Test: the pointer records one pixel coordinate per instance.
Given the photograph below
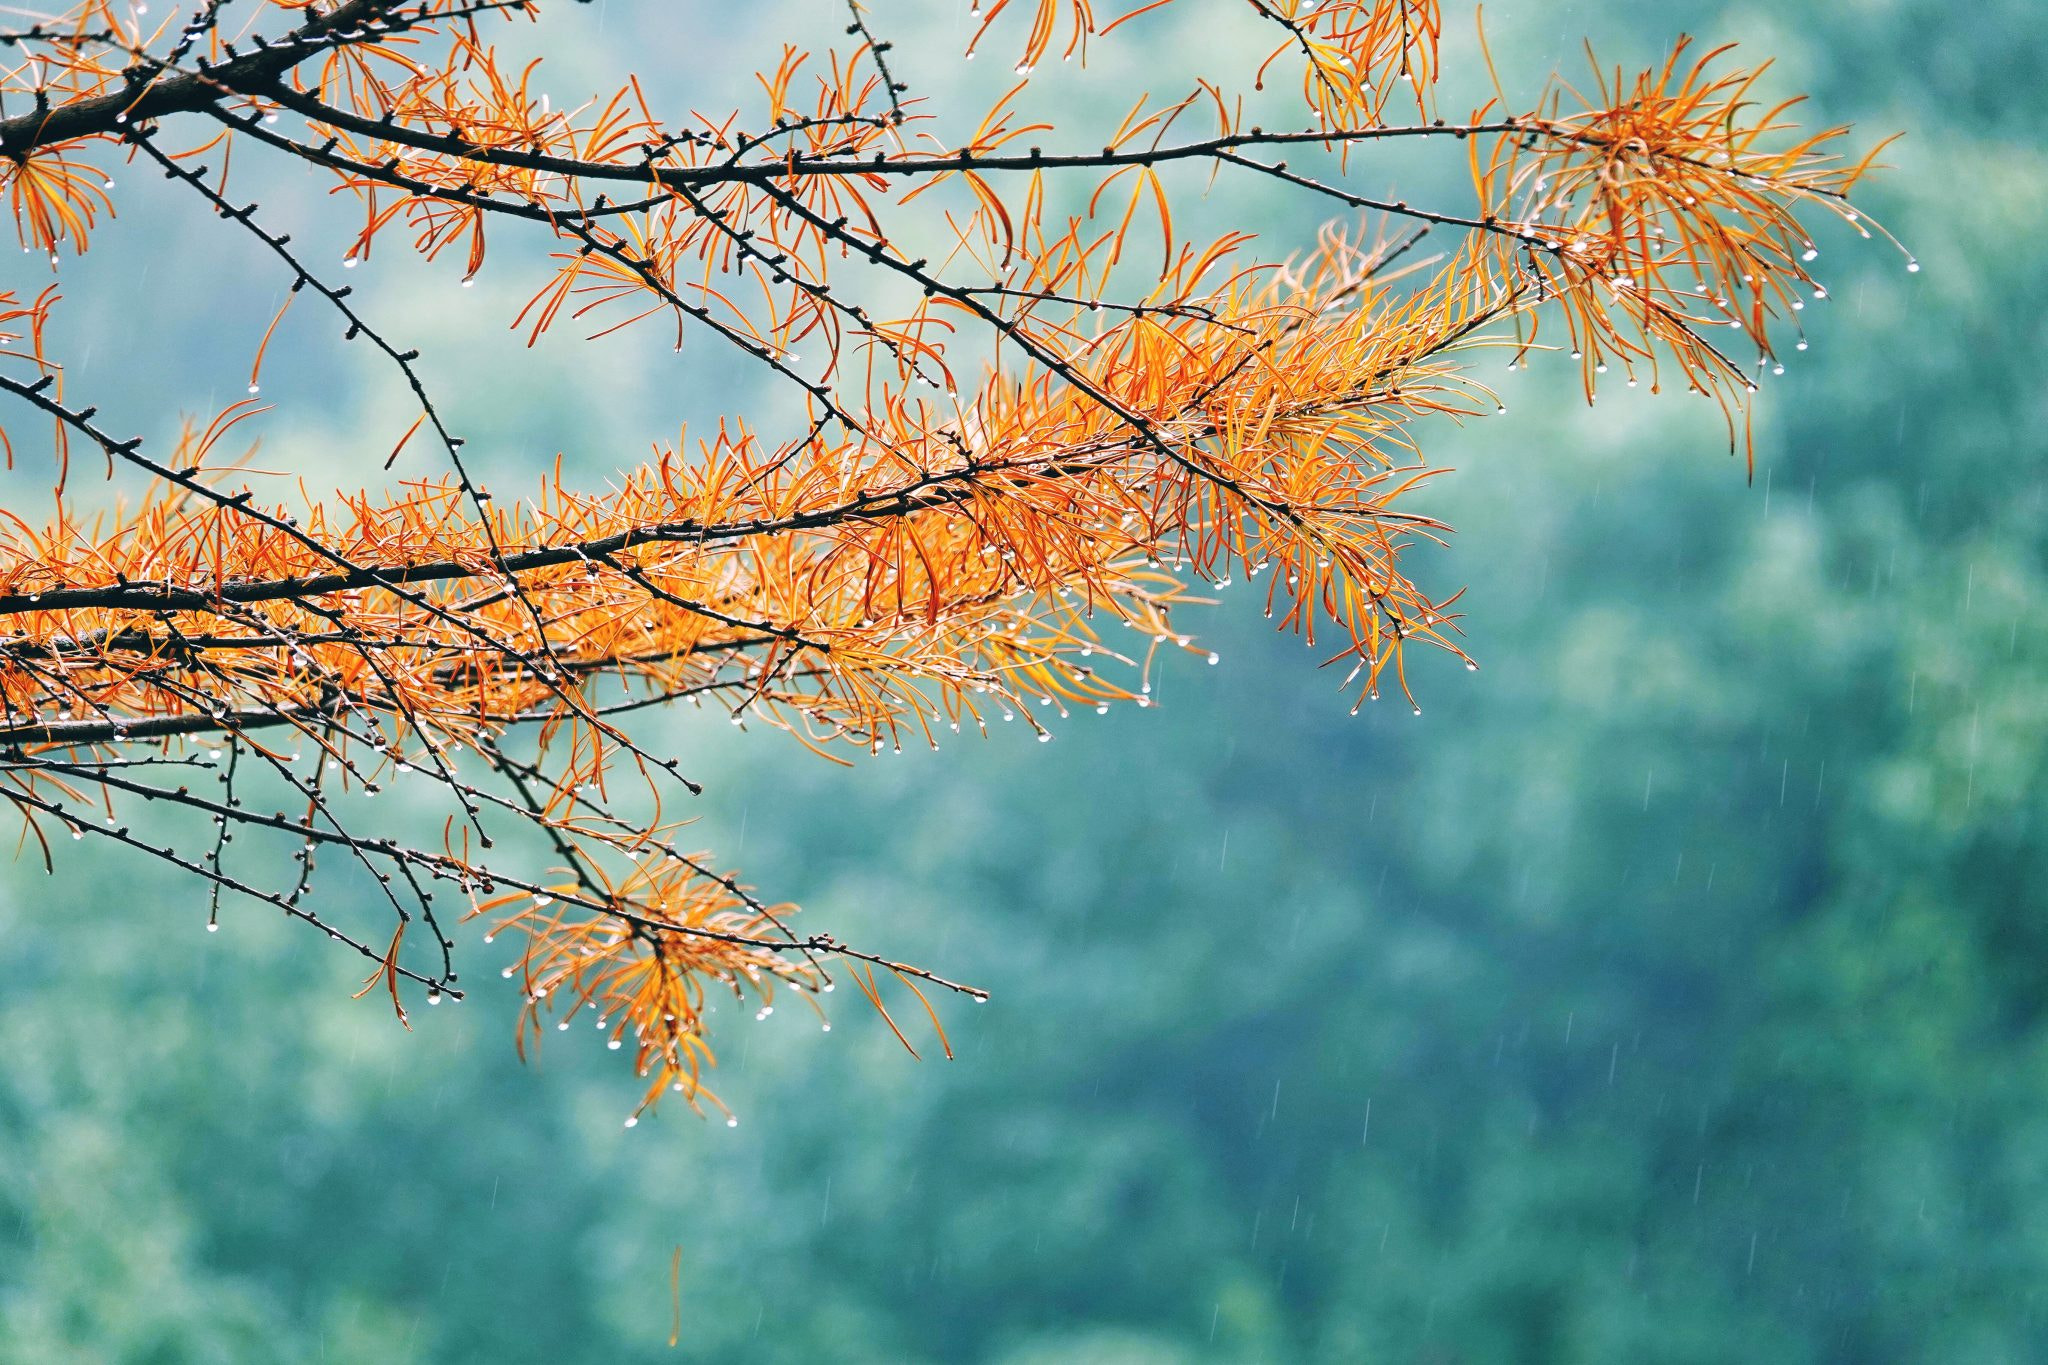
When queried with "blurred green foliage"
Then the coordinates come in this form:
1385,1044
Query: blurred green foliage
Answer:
1673,989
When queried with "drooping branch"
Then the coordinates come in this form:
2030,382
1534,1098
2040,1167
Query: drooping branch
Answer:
1007,450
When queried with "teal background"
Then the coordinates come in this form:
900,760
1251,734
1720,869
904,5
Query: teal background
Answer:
1673,989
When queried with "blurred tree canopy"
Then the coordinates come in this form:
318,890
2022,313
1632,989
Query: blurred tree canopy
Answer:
1672,989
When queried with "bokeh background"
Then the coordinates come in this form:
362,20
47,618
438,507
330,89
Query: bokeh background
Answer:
1675,988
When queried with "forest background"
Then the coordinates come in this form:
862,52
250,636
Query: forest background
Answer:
1674,988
